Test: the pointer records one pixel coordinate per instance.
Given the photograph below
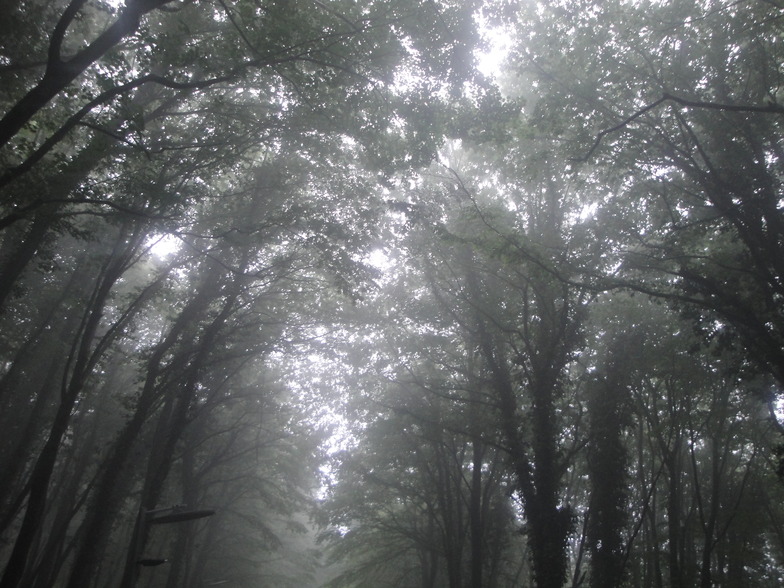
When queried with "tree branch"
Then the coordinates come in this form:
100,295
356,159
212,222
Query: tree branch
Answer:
237,27
108,95
60,73
770,108
103,98
23,212
56,42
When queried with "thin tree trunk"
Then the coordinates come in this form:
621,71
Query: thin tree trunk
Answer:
182,551
673,462
54,551
475,514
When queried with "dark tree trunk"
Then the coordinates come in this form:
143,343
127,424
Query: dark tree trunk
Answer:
69,501
85,354
475,515
607,459
17,259
182,551
673,462
550,524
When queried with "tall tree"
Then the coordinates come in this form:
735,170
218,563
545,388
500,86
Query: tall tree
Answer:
684,133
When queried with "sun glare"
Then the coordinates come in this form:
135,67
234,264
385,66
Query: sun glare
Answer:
164,246
498,43
379,260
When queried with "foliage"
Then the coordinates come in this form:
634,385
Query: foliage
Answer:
398,319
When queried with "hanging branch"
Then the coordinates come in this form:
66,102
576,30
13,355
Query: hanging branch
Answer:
771,107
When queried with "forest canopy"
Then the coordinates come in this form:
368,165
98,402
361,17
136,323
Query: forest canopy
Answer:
417,294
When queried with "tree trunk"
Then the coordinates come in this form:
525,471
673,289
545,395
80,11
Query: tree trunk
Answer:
57,546
21,255
607,459
673,462
475,514
182,549
85,356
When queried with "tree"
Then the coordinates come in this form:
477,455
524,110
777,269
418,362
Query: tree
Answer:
434,500
684,134
119,127
301,259
85,353
518,352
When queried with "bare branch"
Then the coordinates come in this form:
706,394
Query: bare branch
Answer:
22,66
117,137
337,15
237,27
